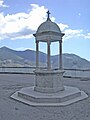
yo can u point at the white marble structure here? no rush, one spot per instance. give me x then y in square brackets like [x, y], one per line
[49, 89]
[48, 81]
[48, 32]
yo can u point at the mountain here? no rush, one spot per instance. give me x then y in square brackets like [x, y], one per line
[6, 53]
[12, 58]
[71, 61]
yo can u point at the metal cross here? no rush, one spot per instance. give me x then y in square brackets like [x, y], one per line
[48, 14]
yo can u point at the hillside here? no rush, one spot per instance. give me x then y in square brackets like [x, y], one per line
[71, 61]
[12, 58]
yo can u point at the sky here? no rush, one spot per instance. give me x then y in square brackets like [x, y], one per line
[20, 19]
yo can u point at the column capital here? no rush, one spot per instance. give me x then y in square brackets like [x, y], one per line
[60, 41]
[37, 41]
[48, 42]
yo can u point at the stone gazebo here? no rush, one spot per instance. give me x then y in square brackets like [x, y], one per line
[48, 80]
[48, 32]
[49, 89]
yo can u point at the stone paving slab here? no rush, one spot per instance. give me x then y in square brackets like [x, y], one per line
[14, 110]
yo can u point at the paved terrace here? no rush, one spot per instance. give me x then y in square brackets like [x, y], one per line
[14, 110]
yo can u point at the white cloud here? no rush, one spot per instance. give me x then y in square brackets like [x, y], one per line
[63, 26]
[2, 4]
[72, 33]
[22, 25]
[79, 33]
[69, 33]
[87, 36]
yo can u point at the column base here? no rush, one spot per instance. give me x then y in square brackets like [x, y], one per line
[66, 97]
[49, 81]
[48, 90]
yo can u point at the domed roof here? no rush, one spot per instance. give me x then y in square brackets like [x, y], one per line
[48, 26]
[48, 31]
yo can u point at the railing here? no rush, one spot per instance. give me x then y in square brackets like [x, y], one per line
[17, 70]
[82, 73]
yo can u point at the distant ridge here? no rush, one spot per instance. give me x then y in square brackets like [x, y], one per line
[12, 58]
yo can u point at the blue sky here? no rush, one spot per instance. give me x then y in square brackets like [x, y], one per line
[20, 19]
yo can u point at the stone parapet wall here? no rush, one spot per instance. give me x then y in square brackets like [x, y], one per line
[77, 73]
[68, 72]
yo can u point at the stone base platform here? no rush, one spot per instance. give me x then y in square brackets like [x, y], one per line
[65, 97]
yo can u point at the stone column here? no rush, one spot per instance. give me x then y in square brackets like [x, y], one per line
[48, 56]
[60, 54]
[37, 54]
